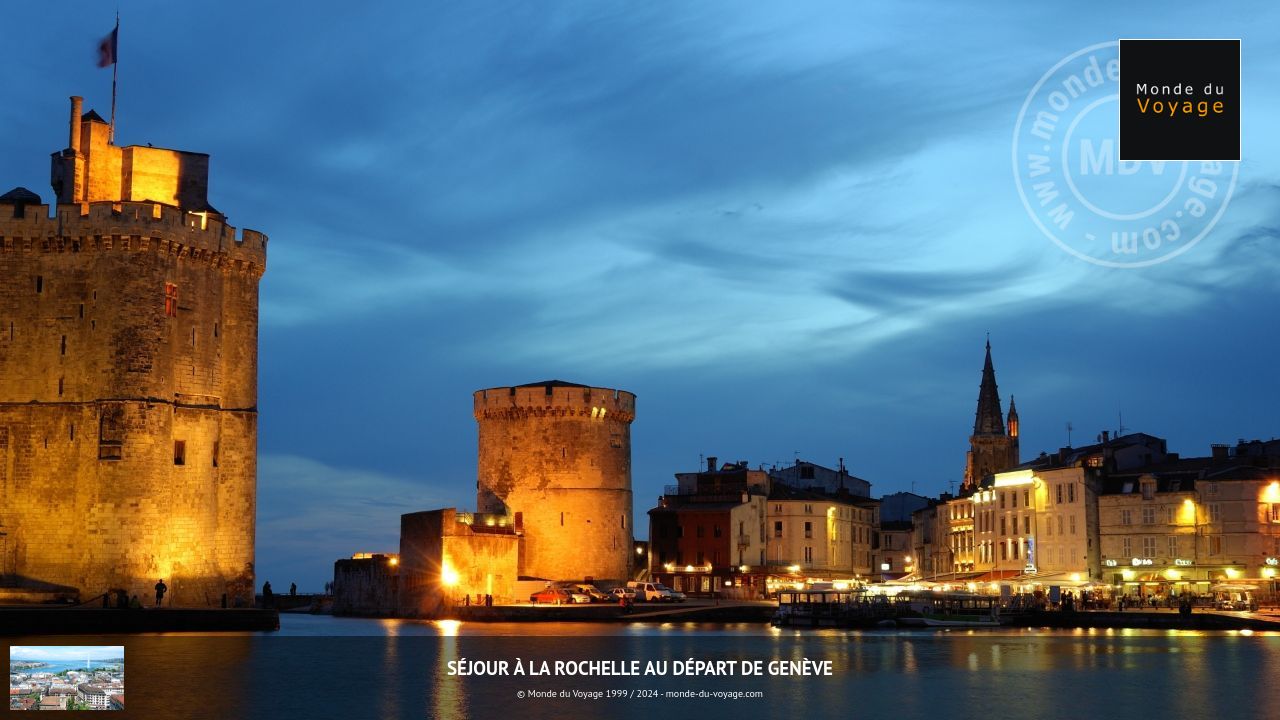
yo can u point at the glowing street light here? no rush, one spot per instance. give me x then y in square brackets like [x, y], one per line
[449, 576]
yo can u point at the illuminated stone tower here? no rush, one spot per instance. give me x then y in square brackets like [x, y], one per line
[991, 449]
[128, 378]
[559, 454]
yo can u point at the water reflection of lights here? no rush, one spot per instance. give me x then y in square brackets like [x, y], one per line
[448, 628]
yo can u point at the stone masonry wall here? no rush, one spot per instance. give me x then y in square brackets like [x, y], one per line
[560, 456]
[128, 421]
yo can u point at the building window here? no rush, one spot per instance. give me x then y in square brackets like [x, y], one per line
[1126, 547]
[1148, 547]
[1059, 493]
[1004, 551]
[179, 452]
[1215, 514]
[1148, 490]
[1048, 528]
[1026, 498]
[715, 531]
[1026, 524]
[1215, 544]
[1275, 512]
[808, 554]
[677, 583]
[111, 433]
[777, 528]
[1073, 524]
[1002, 527]
[808, 529]
[39, 283]
[1001, 501]
[170, 300]
[62, 348]
[808, 509]
[1126, 517]
[1173, 547]
[1071, 493]
[1148, 515]
[1013, 498]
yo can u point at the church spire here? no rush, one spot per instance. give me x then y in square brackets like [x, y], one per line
[989, 419]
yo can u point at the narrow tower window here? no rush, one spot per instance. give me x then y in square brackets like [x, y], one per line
[39, 283]
[170, 300]
[216, 445]
[179, 452]
[63, 347]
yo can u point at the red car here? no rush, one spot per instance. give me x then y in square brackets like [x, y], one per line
[551, 596]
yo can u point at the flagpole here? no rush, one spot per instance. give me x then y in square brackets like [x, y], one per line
[115, 70]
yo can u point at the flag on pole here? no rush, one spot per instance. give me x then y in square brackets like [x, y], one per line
[107, 48]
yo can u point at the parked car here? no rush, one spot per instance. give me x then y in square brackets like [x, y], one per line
[619, 593]
[592, 592]
[577, 596]
[672, 595]
[551, 596]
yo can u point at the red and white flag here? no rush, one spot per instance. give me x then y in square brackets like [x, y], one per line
[107, 48]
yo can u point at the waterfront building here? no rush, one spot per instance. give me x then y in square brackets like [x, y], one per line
[447, 556]
[708, 533]
[827, 535]
[930, 539]
[128, 378]
[1190, 524]
[892, 557]
[366, 584]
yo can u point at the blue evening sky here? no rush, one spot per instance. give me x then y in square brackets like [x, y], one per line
[786, 227]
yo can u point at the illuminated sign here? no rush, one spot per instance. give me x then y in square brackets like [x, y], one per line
[1142, 561]
[1273, 561]
[1110, 563]
[1183, 562]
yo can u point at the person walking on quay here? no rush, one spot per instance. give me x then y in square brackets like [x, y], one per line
[466, 600]
[268, 598]
[293, 589]
[161, 589]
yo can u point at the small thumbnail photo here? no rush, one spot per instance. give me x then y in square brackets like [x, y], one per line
[66, 677]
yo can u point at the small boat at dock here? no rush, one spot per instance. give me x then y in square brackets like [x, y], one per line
[859, 608]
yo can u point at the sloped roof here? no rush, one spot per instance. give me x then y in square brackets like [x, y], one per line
[20, 195]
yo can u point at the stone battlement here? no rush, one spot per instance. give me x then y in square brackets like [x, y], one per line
[554, 399]
[139, 226]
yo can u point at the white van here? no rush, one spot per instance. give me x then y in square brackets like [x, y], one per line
[650, 592]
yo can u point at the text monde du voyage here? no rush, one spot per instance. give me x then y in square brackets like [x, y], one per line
[603, 668]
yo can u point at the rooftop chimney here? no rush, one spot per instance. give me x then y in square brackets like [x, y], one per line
[76, 105]
[711, 463]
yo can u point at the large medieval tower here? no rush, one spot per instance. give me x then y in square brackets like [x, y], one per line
[128, 378]
[559, 454]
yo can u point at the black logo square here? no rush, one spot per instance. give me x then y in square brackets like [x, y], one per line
[1179, 100]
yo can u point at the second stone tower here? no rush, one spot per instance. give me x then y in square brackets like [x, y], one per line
[558, 454]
